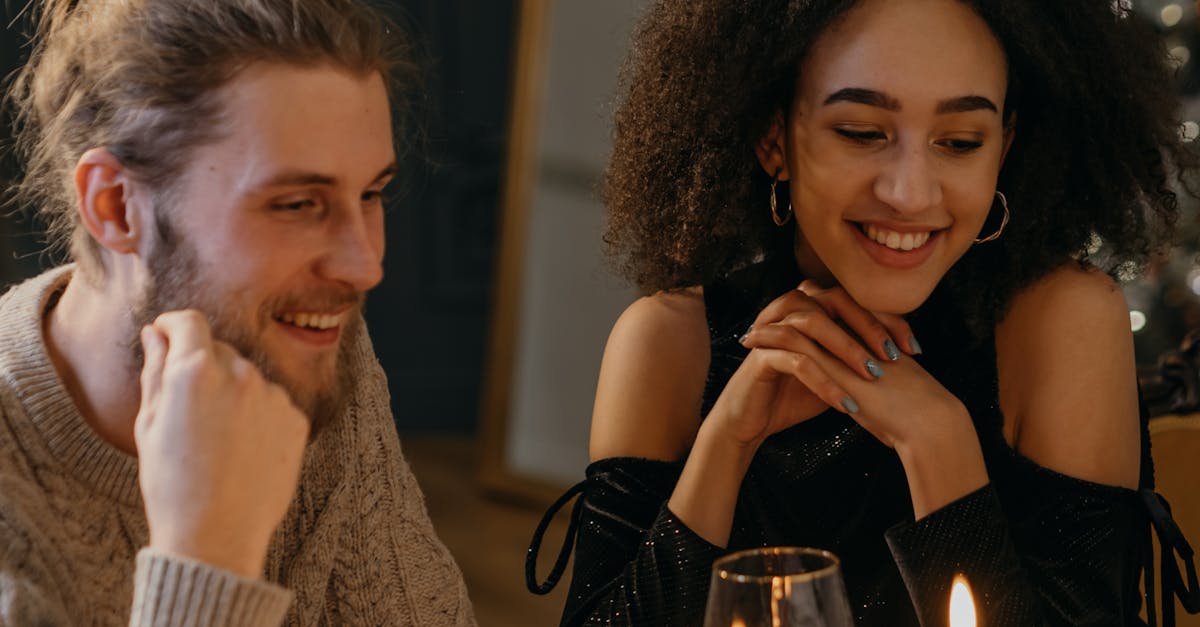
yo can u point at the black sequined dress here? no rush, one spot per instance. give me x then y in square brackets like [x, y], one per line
[1038, 547]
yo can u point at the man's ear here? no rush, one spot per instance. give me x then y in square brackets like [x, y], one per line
[772, 148]
[104, 189]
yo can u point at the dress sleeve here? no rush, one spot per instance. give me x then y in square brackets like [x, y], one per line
[635, 562]
[1067, 555]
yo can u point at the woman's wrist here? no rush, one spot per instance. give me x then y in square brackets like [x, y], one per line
[714, 434]
[706, 494]
[944, 463]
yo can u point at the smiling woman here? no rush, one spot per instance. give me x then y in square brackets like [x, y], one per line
[907, 153]
[806, 188]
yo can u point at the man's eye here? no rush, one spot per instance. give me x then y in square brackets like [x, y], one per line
[372, 196]
[861, 136]
[295, 205]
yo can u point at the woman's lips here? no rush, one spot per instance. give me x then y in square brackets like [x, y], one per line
[920, 242]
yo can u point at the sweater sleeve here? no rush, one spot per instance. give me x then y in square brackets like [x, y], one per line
[168, 590]
[391, 567]
[635, 562]
[174, 590]
[1068, 557]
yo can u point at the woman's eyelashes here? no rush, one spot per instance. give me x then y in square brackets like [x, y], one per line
[861, 136]
[869, 137]
[962, 146]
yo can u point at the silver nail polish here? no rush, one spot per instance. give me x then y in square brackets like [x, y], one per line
[889, 347]
[849, 405]
[914, 345]
[874, 368]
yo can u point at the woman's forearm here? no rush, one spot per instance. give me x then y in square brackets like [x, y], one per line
[705, 497]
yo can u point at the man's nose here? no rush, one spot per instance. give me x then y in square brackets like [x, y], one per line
[908, 183]
[355, 254]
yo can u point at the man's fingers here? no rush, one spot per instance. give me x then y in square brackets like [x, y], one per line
[154, 348]
[184, 332]
[231, 360]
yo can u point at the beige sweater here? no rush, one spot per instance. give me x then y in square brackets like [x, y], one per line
[356, 547]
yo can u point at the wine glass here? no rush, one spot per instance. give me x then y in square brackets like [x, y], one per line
[778, 587]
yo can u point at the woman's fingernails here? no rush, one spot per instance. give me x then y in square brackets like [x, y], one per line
[889, 347]
[874, 368]
[849, 405]
[914, 345]
[742, 340]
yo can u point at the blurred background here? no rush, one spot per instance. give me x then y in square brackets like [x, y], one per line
[1164, 302]
[496, 301]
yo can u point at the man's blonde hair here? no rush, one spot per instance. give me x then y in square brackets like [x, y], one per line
[139, 77]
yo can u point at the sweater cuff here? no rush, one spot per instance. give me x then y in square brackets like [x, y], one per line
[175, 590]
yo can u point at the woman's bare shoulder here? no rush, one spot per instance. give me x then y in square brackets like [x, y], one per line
[652, 378]
[1067, 376]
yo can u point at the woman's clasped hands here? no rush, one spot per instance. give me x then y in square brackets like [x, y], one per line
[814, 348]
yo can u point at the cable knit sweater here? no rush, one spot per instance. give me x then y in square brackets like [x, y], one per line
[355, 548]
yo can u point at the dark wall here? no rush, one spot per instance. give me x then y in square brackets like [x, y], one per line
[19, 250]
[429, 316]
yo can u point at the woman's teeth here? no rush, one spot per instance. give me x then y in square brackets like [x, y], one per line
[895, 240]
[311, 320]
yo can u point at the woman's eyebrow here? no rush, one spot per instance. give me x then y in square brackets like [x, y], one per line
[863, 96]
[873, 98]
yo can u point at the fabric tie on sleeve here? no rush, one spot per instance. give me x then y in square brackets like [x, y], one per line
[1174, 547]
[564, 554]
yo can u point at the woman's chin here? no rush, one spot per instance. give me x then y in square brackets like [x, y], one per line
[898, 299]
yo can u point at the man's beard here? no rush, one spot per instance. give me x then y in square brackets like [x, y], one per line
[178, 280]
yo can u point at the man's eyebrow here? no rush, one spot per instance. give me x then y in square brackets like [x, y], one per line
[304, 177]
[872, 98]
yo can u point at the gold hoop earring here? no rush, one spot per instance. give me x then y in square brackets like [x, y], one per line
[775, 204]
[1003, 221]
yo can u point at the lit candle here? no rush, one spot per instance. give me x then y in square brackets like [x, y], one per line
[962, 605]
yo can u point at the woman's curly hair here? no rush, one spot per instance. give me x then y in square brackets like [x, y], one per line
[1097, 142]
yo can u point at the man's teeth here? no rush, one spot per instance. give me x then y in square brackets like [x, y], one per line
[312, 320]
[895, 240]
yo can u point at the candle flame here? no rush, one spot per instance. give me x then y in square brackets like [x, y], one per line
[962, 604]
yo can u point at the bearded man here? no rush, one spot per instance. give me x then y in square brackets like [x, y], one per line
[194, 427]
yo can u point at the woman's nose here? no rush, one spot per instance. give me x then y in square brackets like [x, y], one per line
[908, 183]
